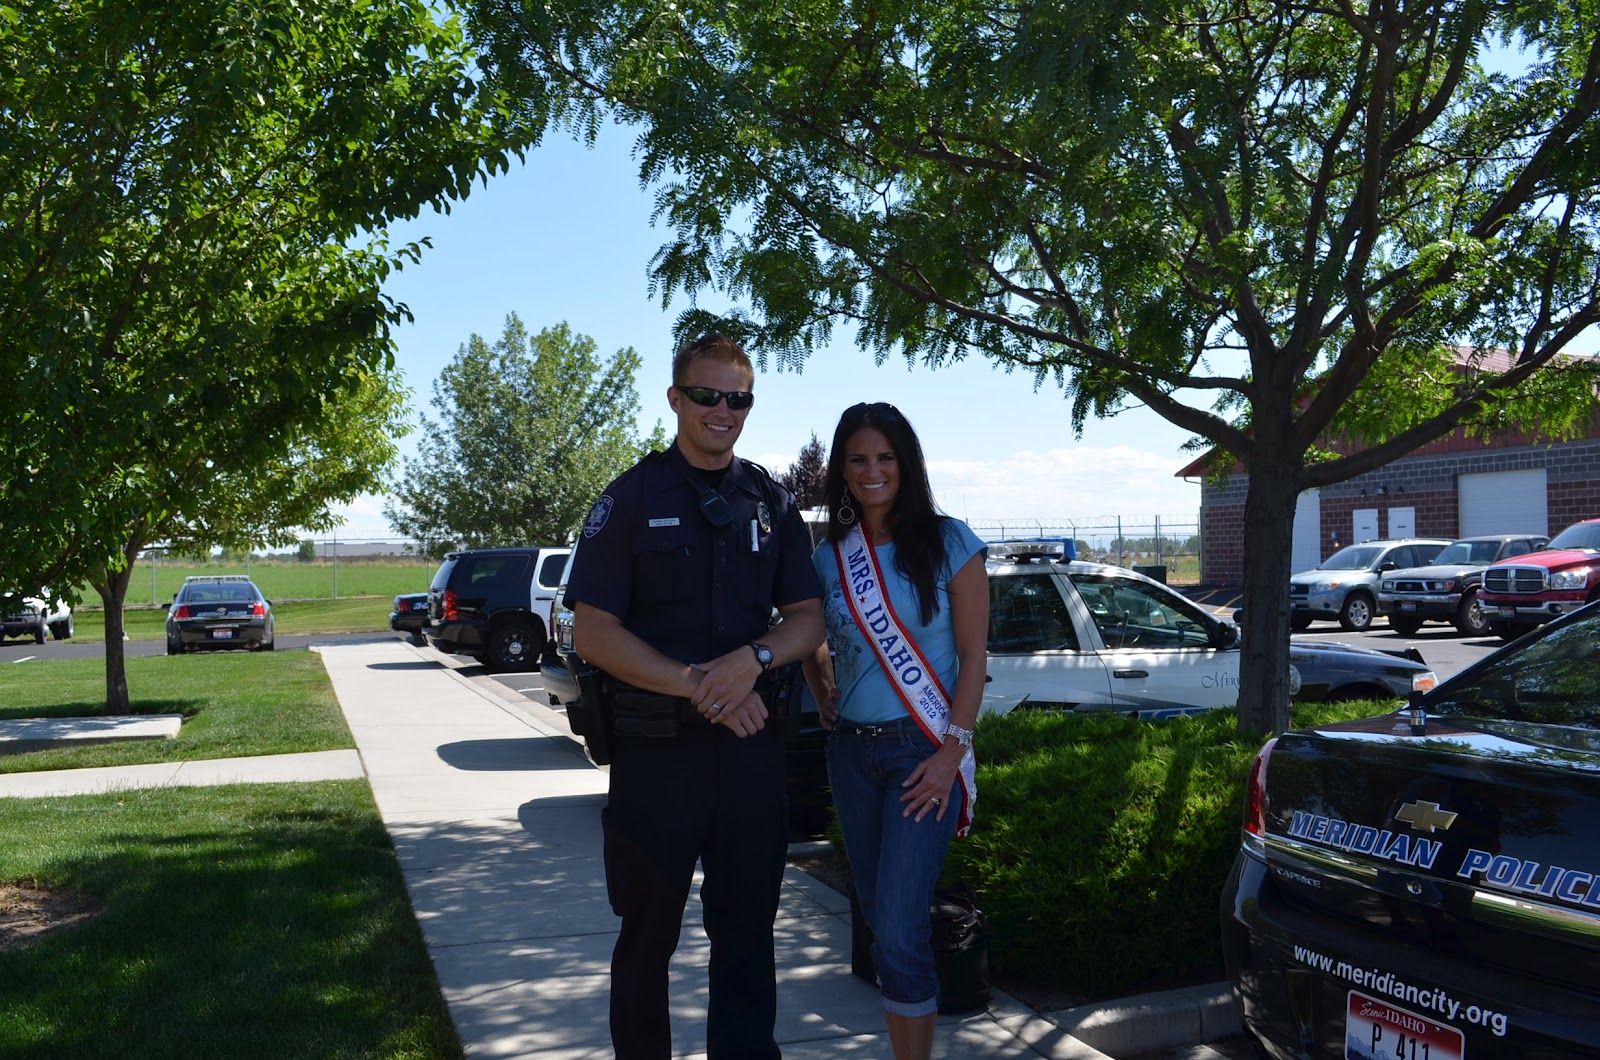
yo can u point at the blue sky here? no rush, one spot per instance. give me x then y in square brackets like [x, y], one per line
[566, 236]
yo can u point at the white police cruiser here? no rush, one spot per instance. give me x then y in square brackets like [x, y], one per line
[1069, 635]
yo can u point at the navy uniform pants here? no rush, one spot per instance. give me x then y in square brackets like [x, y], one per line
[708, 796]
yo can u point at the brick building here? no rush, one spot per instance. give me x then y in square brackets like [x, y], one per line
[1454, 487]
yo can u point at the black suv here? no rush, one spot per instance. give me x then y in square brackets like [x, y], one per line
[492, 603]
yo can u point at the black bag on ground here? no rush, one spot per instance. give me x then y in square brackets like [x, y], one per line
[960, 949]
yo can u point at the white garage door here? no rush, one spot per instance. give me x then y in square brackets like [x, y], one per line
[1306, 544]
[1503, 502]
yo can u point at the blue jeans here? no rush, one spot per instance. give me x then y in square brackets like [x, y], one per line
[884, 845]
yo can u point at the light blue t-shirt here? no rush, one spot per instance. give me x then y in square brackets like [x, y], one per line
[866, 694]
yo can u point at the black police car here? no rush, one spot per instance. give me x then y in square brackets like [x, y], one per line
[1425, 884]
[217, 612]
[410, 614]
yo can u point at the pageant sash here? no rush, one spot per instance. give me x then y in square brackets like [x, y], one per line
[919, 688]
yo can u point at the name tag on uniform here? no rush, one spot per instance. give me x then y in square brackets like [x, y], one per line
[665, 522]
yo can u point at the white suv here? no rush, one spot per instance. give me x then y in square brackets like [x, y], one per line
[31, 616]
[1086, 636]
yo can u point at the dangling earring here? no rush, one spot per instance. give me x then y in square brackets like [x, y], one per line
[846, 514]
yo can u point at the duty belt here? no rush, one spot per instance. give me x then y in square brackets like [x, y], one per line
[640, 712]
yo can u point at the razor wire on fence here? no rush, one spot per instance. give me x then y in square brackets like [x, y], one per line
[1167, 546]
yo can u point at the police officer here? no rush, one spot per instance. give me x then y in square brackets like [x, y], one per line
[684, 558]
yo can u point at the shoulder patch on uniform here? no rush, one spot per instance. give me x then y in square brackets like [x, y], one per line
[598, 516]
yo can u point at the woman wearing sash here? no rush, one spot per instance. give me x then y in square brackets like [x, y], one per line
[899, 682]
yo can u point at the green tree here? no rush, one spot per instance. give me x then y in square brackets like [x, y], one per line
[530, 431]
[1271, 224]
[808, 475]
[192, 207]
[224, 493]
[307, 551]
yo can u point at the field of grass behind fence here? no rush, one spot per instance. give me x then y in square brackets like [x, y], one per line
[154, 581]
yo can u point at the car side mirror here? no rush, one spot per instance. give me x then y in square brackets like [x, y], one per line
[166, 607]
[1227, 634]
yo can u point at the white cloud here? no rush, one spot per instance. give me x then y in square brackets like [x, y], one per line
[1081, 487]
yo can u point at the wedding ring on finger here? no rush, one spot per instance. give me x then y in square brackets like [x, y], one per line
[936, 801]
[716, 708]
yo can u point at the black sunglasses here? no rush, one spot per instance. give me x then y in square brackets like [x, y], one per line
[881, 409]
[738, 400]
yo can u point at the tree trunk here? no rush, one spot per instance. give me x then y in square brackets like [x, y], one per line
[113, 589]
[1268, 539]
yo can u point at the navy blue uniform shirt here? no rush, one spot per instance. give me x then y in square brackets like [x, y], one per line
[688, 589]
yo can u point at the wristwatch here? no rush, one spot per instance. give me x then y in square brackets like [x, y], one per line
[963, 736]
[763, 655]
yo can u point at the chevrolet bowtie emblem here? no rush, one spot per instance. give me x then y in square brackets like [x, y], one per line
[1425, 816]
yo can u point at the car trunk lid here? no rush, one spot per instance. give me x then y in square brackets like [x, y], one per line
[1457, 836]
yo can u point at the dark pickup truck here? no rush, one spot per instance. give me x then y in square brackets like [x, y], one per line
[1426, 883]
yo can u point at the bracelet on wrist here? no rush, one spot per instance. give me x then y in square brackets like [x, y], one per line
[962, 736]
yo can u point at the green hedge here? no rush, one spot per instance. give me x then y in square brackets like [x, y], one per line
[1101, 843]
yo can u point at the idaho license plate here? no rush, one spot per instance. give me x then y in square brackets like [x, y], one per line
[222, 634]
[1508, 612]
[1408, 605]
[1374, 1028]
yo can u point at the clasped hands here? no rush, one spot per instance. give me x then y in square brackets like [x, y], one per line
[725, 692]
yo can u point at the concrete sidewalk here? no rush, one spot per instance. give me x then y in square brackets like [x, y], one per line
[494, 813]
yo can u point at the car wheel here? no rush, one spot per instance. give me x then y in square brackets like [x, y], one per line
[1356, 614]
[61, 630]
[174, 649]
[513, 646]
[1300, 623]
[1470, 619]
[1505, 630]
[38, 633]
[270, 645]
[1404, 626]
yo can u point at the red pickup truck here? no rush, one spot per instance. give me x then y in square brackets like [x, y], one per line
[1529, 590]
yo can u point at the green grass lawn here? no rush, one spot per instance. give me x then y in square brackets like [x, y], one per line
[249, 921]
[245, 921]
[233, 705]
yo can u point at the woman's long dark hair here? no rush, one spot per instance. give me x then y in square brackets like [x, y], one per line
[915, 521]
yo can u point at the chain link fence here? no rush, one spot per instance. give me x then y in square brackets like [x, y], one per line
[1165, 547]
[320, 569]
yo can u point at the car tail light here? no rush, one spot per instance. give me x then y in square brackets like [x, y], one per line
[452, 610]
[182, 611]
[258, 609]
[1255, 794]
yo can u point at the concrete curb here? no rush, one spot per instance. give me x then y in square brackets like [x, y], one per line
[1147, 1022]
